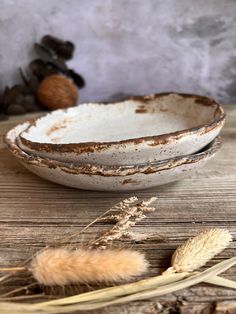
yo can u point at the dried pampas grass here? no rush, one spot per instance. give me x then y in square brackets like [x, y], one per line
[62, 267]
[197, 251]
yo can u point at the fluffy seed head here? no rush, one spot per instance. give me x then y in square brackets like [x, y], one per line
[62, 267]
[198, 250]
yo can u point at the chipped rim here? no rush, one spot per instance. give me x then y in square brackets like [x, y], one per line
[121, 171]
[88, 147]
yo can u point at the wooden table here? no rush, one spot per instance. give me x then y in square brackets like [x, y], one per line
[35, 212]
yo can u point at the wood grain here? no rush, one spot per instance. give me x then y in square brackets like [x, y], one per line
[35, 212]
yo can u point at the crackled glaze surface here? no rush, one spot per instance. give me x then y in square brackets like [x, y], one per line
[139, 130]
[108, 178]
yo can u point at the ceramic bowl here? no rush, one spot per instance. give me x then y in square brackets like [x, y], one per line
[136, 131]
[110, 178]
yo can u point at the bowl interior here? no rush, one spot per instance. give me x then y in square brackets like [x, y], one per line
[129, 119]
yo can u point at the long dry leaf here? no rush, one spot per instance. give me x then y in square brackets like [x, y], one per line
[223, 282]
[121, 290]
[42, 308]
[185, 283]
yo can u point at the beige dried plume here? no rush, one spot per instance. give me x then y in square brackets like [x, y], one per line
[63, 267]
[127, 214]
[198, 250]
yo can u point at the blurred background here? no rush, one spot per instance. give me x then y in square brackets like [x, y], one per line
[128, 47]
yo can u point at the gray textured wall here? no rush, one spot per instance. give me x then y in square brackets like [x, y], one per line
[130, 46]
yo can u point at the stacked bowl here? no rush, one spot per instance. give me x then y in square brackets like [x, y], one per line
[138, 143]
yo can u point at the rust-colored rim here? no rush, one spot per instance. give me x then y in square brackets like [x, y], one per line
[100, 170]
[88, 147]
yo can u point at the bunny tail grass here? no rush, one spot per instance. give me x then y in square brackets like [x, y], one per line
[62, 267]
[67, 307]
[198, 250]
[44, 308]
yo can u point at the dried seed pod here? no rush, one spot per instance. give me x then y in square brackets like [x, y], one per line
[198, 250]
[62, 267]
[77, 78]
[30, 80]
[64, 49]
[59, 64]
[44, 53]
[57, 91]
[42, 69]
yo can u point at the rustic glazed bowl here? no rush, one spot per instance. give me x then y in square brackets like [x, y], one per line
[110, 178]
[139, 130]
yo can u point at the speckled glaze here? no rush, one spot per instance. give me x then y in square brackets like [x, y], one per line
[110, 178]
[136, 131]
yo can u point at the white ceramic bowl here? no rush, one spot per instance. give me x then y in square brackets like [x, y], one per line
[110, 178]
[136, 131]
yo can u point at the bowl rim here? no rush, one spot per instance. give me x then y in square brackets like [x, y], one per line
[121, 171]
[89, 147]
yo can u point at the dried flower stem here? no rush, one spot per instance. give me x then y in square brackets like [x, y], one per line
[50, 308]
[129, 214]
[12, 273]
[3, 269]
[124, 203]
[170, 288]
[199, 247]
[122, 206]
[188, 257]
[23, 297]
[198, 250]
[17, 290]
[142, 285]
[112, 292]
[223, 282]
[93, 222]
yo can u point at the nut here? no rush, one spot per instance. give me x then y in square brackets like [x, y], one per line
[57, 92]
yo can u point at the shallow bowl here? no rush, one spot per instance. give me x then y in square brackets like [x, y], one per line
[110, 178]
[136, 131]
